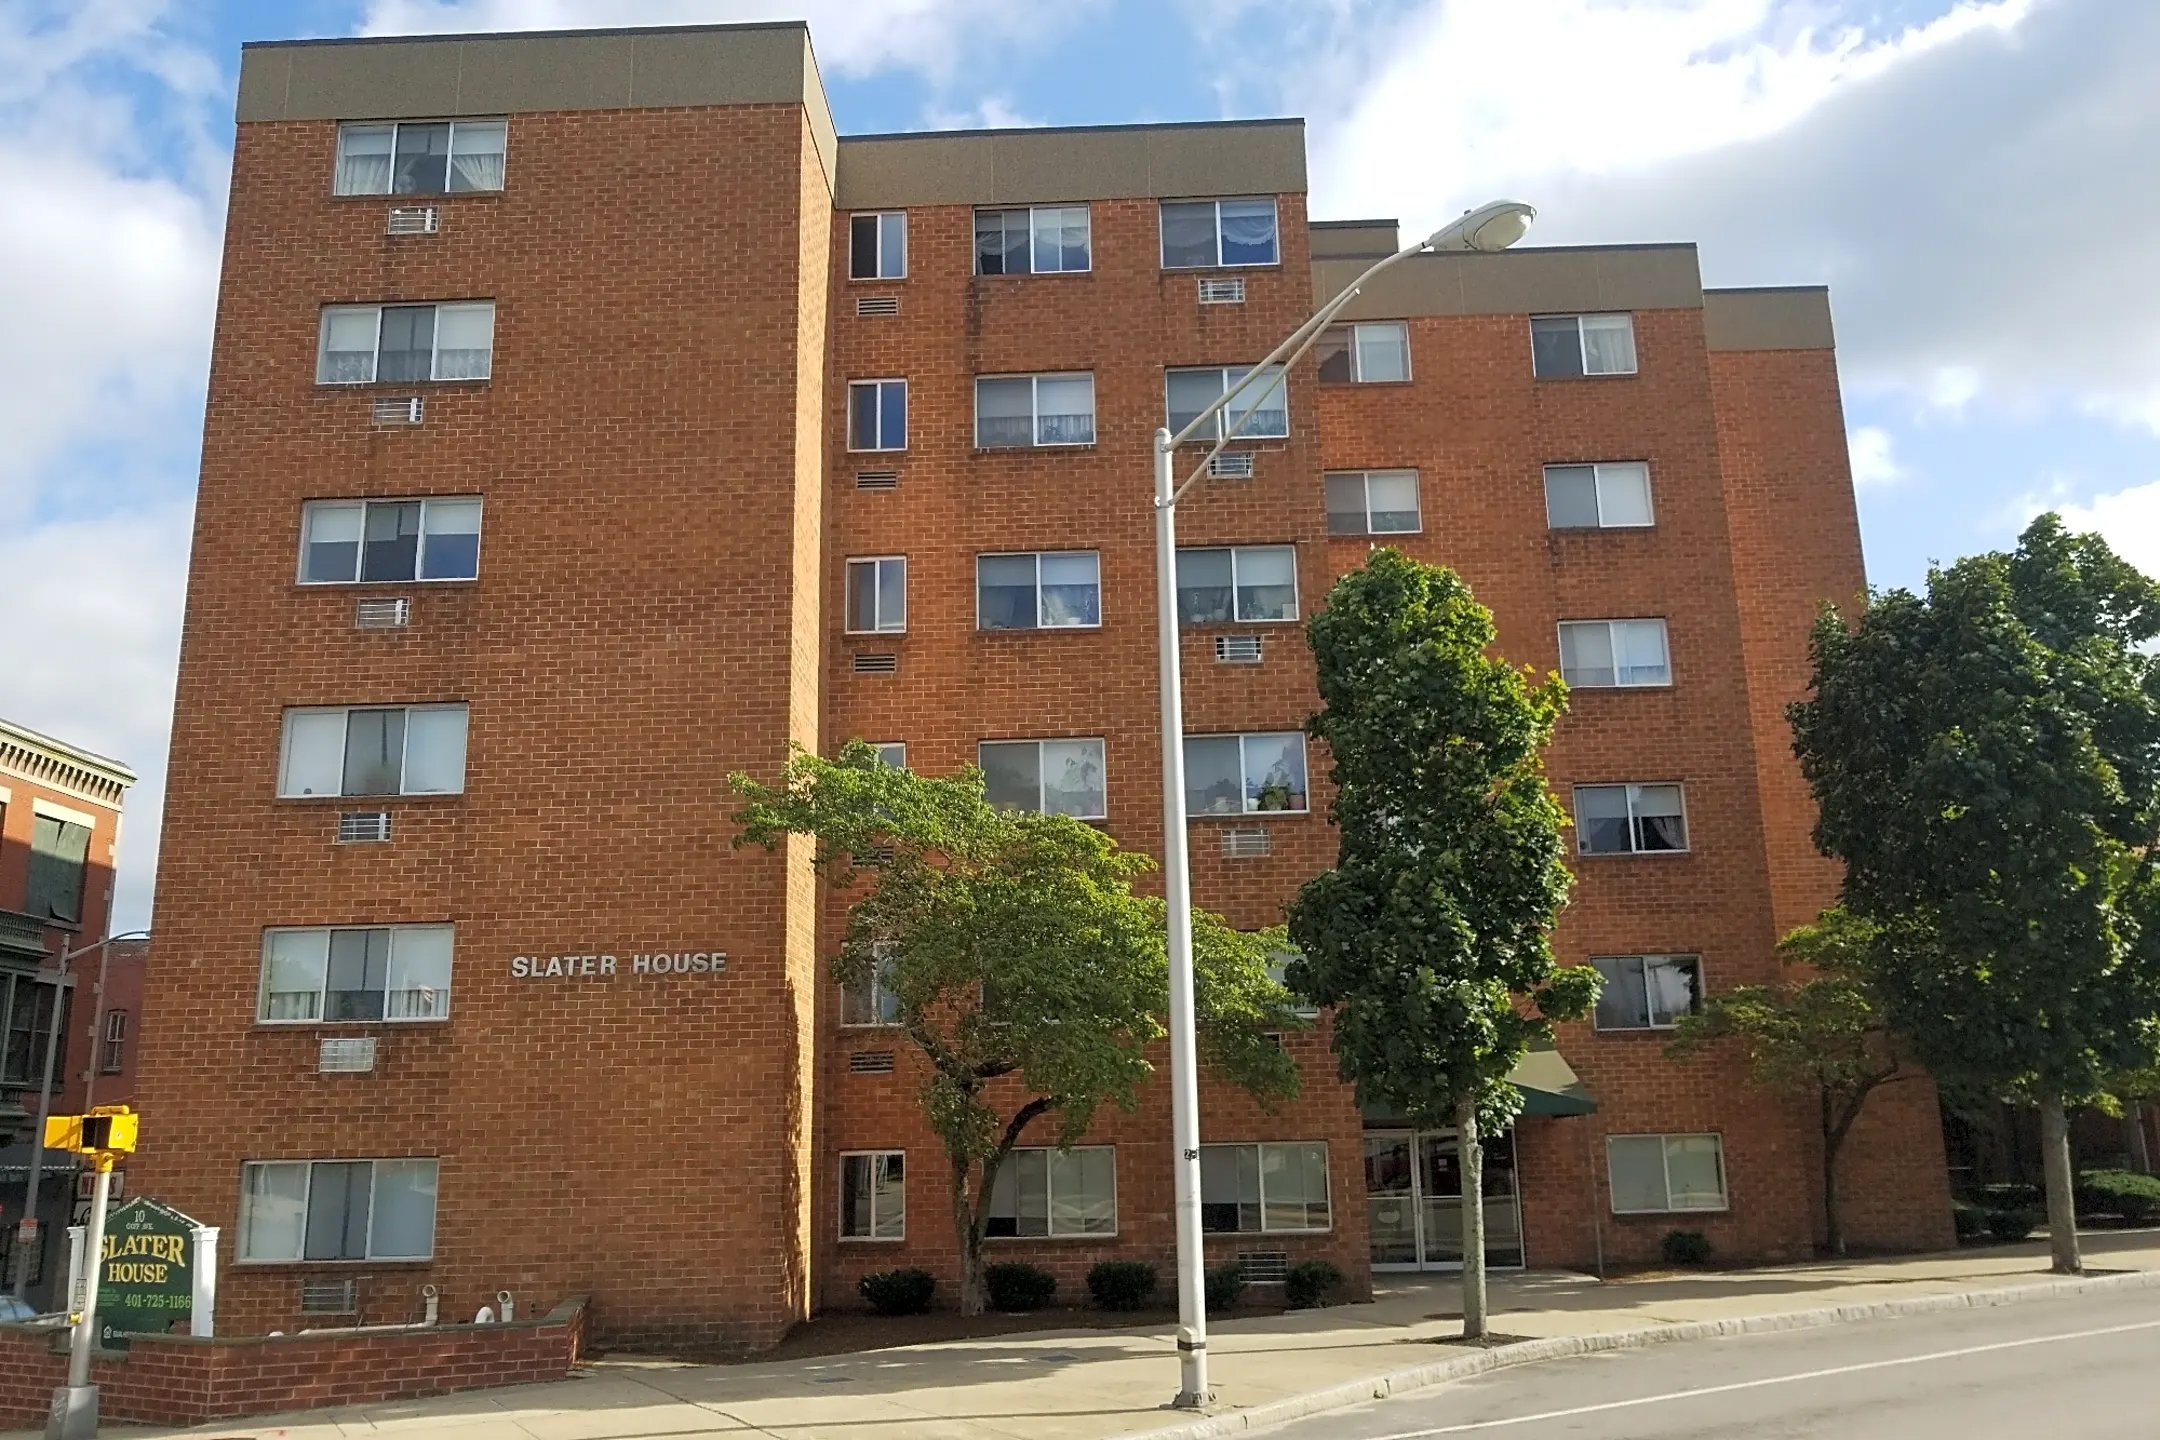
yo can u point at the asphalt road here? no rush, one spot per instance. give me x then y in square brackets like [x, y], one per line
[2075, 1369]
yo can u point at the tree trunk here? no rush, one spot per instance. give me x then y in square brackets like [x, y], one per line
[1832, 1141]
[2134, 1139]
[973, 1300]
[2061, 1205]
[1473, 1220]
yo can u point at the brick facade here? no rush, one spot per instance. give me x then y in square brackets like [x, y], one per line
[669, 501]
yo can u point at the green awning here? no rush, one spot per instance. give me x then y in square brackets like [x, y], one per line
[1548, 1084]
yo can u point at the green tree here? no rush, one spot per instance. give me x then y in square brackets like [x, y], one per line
[1986, 761]
[1823, 1035]
[1435, 921]
[1018, 958]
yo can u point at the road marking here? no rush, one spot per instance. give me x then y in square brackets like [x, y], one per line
[1772, 1380]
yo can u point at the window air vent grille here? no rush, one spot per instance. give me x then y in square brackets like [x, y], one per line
[346, 1055]
[1264, 1267]
[414, 220]
[1246, 843]
[880, 663]
[877, 305]
[877, 480]
[1229, 290]
[400, 410]
[1237, 649]
[330, 1297]
[870, 1062]
[363, 826]
[1231, 465]
[391, 614]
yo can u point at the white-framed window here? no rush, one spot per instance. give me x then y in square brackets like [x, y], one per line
[398, 344]
[112, 1054]
[1219, 234]
[1259, 773]
[1265, 1189]
[892, 754]
[1609, 654]
[1572, 345]
[873, 1195]
[1054, 1193]
[1371, 352]
[877, 415]
[873, 1001]
[1663, 1174]
[1033, 240]
[1189, 390]
[877, 595]
[1630, 819]
[1017, 412]
[1609, 495]
[1278, 969]
[421, 157]
[1038, 590]
[344, 542]
[356, 972]
[337, 1209]
[1647, 992]
[1050, 777]
[1237, 584]
[1372, 502]
[877, 245]
[373, 750]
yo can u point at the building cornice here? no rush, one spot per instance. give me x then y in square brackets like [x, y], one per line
[57, 765]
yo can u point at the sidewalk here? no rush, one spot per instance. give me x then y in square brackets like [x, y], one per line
[1087, 1384]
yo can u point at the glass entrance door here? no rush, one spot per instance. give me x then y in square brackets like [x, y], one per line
[1413, 1185]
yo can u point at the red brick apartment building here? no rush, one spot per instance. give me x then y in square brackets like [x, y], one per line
[588, 421]
[59, 827]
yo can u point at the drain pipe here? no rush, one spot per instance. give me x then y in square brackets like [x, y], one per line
[507, 1305]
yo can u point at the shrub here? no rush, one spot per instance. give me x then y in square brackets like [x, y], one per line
[899, 1292]
[1016, 1286]
[1225, 1283]
[2011, 1224]
[2133, 1198]
[1122, 1284]
[1685, 1247]
[2009, 1196]
[1310, 1284]
[1970, 1219]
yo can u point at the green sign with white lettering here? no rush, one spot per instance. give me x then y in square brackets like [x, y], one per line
[146, 1280]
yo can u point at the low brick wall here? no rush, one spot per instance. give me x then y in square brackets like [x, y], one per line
[189, 1380]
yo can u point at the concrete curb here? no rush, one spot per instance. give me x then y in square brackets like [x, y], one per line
[1478, 1362]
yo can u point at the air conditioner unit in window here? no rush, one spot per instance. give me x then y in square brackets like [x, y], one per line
[398, 410]
[414, 220]
[1237, 649]
[330, 1297]
[877, 480]
[1246, 843]
[1227, 290]
[1264, 1267]
[870, 1062]
[388, 614]
[877, 305]
[363, 826]
[1231, 465]
[877, 663]
[346, 1055]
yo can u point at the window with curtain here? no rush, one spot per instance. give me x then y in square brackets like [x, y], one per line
[1054, 1193]
[873, 1002]
[1219, 234]
[1604, 496]
[1659, 1174]
[337, 1210]
[1647, 992]
[1049, 590]
[1245, 774]
[1571, 346]
[421, 157]
[1604, 654]
[1039, 240]
[1630, 819]
[1238, 584]
[873, 1195]
[356, 973]
[877, 414]
[1051, 777]
[348, 541]
[1272, 1189]
[59, 856]
[385, 344]
[1017, 411]
[1372, 502]
[395, 750]
[1261, 412]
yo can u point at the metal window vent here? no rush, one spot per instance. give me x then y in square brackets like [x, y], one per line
[877, 305]
[1264, 1267]
[870, 1062]
[1231, 465]
[399, 410]
[414, 220]
[882, 662]
[1227, 290]
[1246, 843]
[1237, 649]
[875, 856]
[390, 614]
[330, 1297]
[363, 826]
[877, 480]
[346, 1055]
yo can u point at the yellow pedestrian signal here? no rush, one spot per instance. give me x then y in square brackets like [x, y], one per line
[107, 1130]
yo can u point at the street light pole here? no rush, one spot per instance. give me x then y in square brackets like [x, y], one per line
[1489, 227]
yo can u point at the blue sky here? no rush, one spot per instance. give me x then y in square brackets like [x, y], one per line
[1973, 178]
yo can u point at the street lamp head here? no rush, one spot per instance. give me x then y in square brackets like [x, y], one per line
[1489, 227]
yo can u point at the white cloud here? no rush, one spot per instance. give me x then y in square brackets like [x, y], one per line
[2129, 519]
[1874, 456]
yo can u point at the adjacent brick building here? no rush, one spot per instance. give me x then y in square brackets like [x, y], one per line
[588, 420]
